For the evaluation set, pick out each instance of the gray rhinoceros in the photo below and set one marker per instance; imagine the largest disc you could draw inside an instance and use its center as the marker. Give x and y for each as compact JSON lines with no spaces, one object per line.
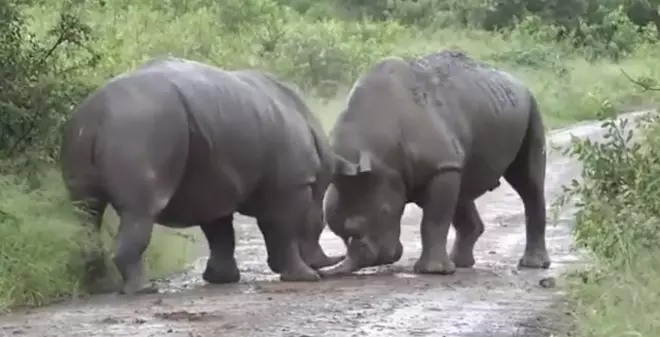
{"x":438,"y":131}
{"x":181,"y":144}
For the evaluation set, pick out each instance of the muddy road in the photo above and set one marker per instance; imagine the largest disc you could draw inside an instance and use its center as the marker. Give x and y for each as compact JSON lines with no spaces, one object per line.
{"x":491,"y":300}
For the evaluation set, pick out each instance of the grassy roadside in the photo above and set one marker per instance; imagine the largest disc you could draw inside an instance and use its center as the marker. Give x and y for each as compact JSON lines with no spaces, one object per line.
{"x":41,"y":244}
{"x":618,"y":300}
{"x":617,"y":223}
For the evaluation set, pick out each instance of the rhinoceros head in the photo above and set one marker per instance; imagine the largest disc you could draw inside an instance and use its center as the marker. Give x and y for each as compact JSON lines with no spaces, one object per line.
{"x":363,"y":206}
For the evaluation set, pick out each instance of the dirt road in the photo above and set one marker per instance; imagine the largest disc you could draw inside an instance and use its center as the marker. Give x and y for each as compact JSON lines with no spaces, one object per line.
{"x":491,"y":300}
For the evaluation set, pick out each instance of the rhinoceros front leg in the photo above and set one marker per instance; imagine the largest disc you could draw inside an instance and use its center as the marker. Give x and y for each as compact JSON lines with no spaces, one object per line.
{"x":469,"y":227}
{"x":438,"y":207}
{"x":132,"y":239}
{"x":283,"y":225}
{"x":310,"y":245}
{"x":221,"y":266}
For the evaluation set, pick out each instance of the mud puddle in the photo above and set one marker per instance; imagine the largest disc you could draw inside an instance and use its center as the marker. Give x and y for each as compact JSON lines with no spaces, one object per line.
{"x":492,"y":299}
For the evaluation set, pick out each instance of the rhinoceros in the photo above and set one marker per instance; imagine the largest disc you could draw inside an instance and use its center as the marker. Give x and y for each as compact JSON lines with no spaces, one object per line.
{"x":438,"y":131}
{"x":181,"y":143}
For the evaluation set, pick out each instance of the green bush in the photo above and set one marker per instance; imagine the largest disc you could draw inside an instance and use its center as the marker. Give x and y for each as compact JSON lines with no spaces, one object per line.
{"x":619,"y":190}
{"x":618,"y":221}
{"x":329,"y":55}
{"x":618,"y":194}
{"x":37,"y":88}
{"x":45,"y":252}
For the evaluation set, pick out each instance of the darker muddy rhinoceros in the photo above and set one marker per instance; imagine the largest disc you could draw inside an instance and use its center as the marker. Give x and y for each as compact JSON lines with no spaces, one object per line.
{"x":181,"y":143}
{"x":439,"y":131}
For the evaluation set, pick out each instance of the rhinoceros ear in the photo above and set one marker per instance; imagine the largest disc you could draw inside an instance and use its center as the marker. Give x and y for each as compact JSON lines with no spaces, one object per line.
{"x":345,"y":167}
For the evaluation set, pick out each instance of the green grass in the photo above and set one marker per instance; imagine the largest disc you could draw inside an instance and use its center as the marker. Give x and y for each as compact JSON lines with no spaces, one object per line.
{"x":619,"y":301}
{"x":40,"y":258}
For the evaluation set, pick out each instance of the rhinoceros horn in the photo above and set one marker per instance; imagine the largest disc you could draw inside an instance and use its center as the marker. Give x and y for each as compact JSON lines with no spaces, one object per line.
{"x":345,"y":167}
{"x":347,"y":266}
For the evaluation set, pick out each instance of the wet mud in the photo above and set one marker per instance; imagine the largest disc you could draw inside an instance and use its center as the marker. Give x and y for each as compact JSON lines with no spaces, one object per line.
{"x":493,"y":299}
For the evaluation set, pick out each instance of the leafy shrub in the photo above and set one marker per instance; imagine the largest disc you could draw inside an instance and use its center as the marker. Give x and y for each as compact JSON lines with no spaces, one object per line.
{"x":37,"y":88}
{"x":619,"y":192}
{"x":533,"y":46}
{"x":614,"y":36}
{"x":617,"y":219}
{"x":330,"y":54}
{"x":44,"y":251}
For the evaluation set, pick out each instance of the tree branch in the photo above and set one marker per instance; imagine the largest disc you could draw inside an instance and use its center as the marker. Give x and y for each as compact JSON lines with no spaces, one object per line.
{"x":644,"y":85}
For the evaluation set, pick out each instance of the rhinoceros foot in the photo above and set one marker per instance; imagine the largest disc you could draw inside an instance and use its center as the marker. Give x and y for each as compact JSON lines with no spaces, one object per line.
{"x":149,"y":289}
{"x":536,"y":258}
{"x":293,"y":270}
{"x":462,"y":258}
{"x":428,"y":266}
{"x":221,"y":274}
{"x":300,"y":275}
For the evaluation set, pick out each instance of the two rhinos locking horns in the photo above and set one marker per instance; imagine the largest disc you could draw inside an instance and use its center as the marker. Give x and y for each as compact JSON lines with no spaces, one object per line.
{"x":181,"y":143}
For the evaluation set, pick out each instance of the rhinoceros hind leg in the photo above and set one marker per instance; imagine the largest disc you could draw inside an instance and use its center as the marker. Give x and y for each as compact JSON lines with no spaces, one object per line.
{"x":132,"y":240}
{"x":527,"y":177}
{"x":438,"y":208}
{"x":90,"y":203}
{"x":469,"y":227}
{"x":93,"y":210}
{"x":221,"y":266}
{"x":531,"y":192}
{"x":91,"y":207}
{"x":282,"y":225}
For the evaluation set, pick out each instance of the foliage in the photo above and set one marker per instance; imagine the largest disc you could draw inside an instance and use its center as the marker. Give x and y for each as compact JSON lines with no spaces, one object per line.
{"x":605,"y":28}
{"x":36,"y":87}
{"x":617,"y":219}
{"x":44,"y":252}
{"x":620,"y":186}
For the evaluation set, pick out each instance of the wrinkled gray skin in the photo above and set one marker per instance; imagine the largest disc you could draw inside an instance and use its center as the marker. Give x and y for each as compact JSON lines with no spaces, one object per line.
{"x":439,"y":131}
{"x":182,"y":144}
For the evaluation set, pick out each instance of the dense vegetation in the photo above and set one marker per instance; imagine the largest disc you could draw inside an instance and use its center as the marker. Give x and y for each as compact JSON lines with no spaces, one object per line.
{"x":617,"y":222}
{"x":570,"y":52}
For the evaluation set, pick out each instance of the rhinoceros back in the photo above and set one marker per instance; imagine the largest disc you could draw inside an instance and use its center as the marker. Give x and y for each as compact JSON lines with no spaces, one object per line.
{"x":207,"y":137}
{"x":248,"y":130}
{"x":292,"y":100}
{"x":488,"y":110}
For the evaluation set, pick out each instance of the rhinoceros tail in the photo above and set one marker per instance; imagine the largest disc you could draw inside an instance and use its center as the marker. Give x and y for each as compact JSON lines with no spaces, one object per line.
{"x":78,"y":160}
{"x":535,"y":127}
{"x":531,"y":156}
